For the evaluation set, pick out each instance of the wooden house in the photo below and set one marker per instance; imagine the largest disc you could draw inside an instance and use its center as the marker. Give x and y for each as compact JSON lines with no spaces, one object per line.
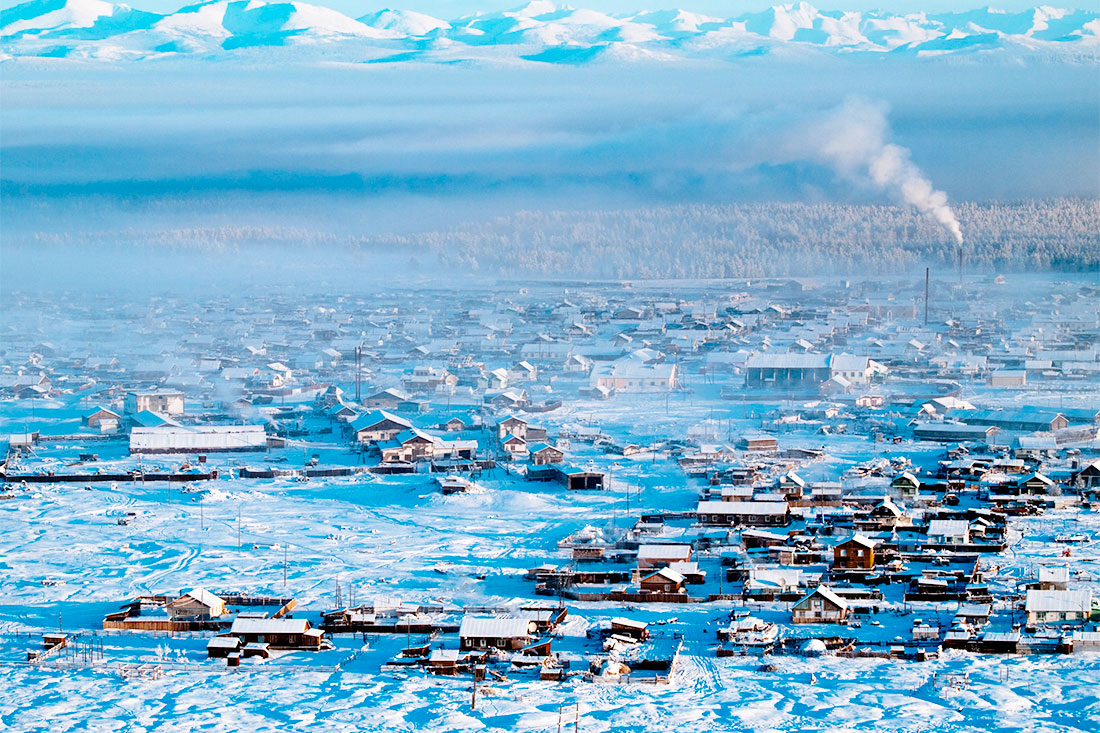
{"x":101,"y":418}
{"x":1034,"y":485}
{"x":277,"y":633}
{"x":638,"y":630}
{"x":664,"y":580}
{"x":220,"y":647}
{"x":543,"y":454}
{"x":387,"y":399}
{"x":490,"y":632}
{"x":758,"y":444}
{"x":747,"y":513}
{"x":513,"y":445}
{"x":820,"y":606}
{"x":579,"y":479}
{"x":906,"y":484}
{"x":1058,"y":607}
{"x":791,"y":485}
{"x":443,"y":661}
{"x":196,"y":604}
{"x":1089,"y":476}
{"x":948,"y":532}
{"x":378,"y":426}
{"x":512,"y":425}
{"x":886,"y":515}
{"x":855,"y":553}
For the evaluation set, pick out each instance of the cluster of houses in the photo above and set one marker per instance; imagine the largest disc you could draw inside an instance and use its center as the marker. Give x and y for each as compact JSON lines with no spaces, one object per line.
{"x":459,"y":381}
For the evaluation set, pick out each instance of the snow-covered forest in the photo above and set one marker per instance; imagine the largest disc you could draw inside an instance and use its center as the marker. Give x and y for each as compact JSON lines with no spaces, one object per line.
{"x":699,"y":241}
{"x":756,"y":240}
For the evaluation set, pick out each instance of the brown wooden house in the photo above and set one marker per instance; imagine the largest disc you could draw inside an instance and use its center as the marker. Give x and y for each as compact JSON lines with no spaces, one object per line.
{"x":855,"y":553}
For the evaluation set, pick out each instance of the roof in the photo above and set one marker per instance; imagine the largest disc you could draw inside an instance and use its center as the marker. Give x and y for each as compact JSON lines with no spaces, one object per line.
{"x":907,"y":476}
{"x":390,"y":392}
{"x":666,"y":574}
{"x":1061,"y":601}
{"x":494,"y":627}
{"x":223,"y":642}
{"x":150,"y":419}
{"x":860,"y":540}
{"x":888,"y":504}
{"x":407,"y":436}
{"x":948,"y":527}
{"x":269,"y":626}
{"x":951,"y":429}
{"x":203,"y":596}
{"x":96,"y":410}
{"x":848,"y":363}
{"x":827,"y":594}
{"x":665,"y":551}
{"x":742,"y":507}
{"x":378,"y":416}
{"x":198,"y":437}
{"x":787,"y":361}
{"x":443,"y":655}
{"x":629,"y":623}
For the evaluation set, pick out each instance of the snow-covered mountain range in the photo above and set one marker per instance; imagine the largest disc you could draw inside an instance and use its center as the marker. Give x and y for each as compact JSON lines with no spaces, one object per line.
{"x":538,"y":32}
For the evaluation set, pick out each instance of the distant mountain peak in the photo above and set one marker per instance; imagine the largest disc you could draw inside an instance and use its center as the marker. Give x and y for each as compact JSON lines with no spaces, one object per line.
{"x":540,"y":31}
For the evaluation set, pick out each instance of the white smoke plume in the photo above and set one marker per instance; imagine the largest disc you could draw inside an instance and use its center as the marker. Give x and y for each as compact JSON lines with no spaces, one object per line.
{"x":854,"y":140}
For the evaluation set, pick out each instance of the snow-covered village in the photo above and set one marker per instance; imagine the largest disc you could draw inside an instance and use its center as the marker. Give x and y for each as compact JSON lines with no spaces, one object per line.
{"x":505,"y":366}
{"x":540,"y":499}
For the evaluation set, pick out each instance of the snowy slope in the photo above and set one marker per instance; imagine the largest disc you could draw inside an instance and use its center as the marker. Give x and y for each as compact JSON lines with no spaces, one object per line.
{"x":53,"y":16}
{"x":404,"y":22}
{"x":541,"y":31}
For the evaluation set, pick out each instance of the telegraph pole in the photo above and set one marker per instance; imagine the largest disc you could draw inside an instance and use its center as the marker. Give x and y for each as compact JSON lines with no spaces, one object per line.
{"x":358,"y":372}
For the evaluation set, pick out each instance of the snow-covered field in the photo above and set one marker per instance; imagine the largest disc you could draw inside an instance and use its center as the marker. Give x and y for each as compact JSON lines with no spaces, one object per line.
{"x":66,"y":562}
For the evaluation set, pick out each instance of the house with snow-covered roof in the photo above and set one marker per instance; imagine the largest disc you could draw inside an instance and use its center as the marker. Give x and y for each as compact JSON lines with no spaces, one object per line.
{"x":820,"y":606}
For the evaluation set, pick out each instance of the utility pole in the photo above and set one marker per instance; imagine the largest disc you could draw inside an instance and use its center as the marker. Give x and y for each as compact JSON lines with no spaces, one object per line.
{"x":284,"y":569}
{"x":358,"y":372}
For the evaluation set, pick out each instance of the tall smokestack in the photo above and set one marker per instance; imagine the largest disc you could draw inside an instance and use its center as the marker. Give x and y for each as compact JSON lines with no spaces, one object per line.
{"x":926,"y":270}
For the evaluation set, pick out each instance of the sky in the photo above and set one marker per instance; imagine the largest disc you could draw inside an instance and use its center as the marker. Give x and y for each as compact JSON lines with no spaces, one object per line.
{"x":720,"y":8}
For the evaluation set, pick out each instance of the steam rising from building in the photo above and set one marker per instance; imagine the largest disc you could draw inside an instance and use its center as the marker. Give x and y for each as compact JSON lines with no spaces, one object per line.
{"x":854,"y":140}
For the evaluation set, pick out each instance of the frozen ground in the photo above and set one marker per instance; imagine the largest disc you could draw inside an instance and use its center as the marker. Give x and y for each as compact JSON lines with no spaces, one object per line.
{"x":397,"y":537}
